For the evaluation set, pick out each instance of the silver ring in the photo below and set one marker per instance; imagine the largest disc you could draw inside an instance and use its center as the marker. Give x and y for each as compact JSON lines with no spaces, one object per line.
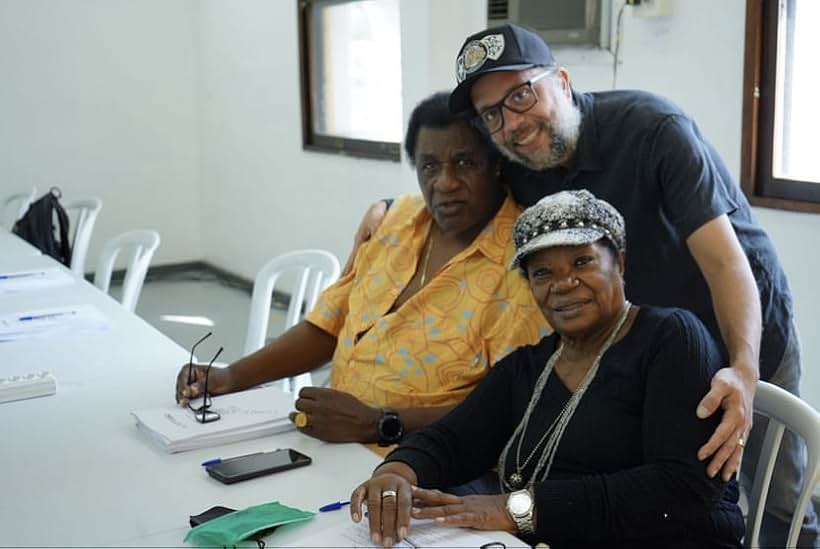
{"x":741,"y":442}
{"x":389,"y":494}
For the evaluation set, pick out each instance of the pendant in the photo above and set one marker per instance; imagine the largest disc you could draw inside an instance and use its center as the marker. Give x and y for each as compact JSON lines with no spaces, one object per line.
{"x":516,"y":481}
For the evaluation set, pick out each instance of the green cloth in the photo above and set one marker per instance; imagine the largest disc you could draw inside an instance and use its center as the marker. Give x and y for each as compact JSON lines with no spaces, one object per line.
{"x":230,"y":529}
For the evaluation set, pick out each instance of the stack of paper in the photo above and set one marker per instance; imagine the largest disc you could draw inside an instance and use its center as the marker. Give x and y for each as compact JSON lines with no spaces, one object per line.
{"x":51,"y":321}
{"x":21,"y":281}
{"x":249,"y":414}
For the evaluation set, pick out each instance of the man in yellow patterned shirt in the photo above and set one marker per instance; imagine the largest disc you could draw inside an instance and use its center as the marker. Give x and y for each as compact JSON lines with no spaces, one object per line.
{"x":435,"y":347}
{"x":427,"y":308}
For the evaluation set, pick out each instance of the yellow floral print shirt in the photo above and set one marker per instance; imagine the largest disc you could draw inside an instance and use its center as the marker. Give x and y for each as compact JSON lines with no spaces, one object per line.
{"x":436,"y":346}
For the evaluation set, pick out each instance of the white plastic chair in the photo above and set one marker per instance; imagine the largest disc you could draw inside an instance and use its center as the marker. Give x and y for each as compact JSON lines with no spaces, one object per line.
{"x":87,"y":210}
{"x":315,"y":271}
{"x":785,"y":411}
{"x":16,"y":206}
{"x":140,"y":245}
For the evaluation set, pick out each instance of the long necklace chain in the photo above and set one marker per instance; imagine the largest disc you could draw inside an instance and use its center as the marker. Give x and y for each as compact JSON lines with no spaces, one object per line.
{"x":556,"y":430}
{"x":520,"y":466}
{"x":426,"y":259}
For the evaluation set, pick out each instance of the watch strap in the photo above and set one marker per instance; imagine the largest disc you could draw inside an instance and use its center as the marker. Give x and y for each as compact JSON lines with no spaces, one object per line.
{"x":524,"y":520}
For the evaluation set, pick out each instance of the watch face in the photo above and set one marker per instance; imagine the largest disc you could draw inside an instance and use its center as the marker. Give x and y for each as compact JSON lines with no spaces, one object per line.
{"x":390,"y":427}
{"x":519,"y":503}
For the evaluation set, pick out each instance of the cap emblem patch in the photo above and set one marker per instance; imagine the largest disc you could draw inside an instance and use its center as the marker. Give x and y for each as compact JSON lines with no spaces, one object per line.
{"x":476,"y":53}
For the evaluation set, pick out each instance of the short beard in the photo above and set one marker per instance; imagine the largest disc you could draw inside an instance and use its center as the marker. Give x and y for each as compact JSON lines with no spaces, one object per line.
{"x":563,"y":131}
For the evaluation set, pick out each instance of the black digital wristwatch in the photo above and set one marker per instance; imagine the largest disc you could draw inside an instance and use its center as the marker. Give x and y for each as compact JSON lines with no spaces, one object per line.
{"x":390,"y":428}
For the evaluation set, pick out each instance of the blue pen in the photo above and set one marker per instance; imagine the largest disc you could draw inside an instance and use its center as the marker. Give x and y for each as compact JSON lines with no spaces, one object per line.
{"x":216,"y":461}
{"x":335,"y":506}
{"x":21,"y":275}
{"x":46,"y":316}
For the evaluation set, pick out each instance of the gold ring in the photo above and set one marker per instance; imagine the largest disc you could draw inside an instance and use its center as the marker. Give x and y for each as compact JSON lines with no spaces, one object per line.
{"x":389,"y":494}
{"x":301,"y":420}
{"x":741,"y":442}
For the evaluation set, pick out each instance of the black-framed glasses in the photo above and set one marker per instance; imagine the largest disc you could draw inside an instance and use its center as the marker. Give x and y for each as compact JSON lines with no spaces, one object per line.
{"x":518,"y":100}
{"x":203,"y":413}
{"x":191,"y":359}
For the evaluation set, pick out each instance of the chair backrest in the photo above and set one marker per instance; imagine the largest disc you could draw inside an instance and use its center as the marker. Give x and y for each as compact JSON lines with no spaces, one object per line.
{"x":15,"y":207}
{"x":315,"y":270}
{"x":87,"y":210}
{"x":140,"y":247}
{"x":785,"y":412}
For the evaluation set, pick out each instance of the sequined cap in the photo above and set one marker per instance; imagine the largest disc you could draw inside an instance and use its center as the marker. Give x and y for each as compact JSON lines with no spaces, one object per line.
{"x":567,"y":218}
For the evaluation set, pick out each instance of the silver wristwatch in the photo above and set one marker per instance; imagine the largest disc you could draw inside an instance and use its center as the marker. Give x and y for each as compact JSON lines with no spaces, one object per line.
{"x":520,"y":506}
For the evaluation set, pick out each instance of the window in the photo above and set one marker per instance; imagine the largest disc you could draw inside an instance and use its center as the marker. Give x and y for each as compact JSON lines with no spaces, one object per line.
{"x":780,"y":161}
{"x":351,"y":77}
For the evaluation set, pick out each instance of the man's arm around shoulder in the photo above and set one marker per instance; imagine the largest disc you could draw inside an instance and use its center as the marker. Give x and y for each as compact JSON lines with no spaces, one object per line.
{"x":736,"y":303}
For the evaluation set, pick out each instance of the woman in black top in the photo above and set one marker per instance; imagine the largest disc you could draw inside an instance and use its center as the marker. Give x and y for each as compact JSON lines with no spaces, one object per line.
{"x":591,"y":430}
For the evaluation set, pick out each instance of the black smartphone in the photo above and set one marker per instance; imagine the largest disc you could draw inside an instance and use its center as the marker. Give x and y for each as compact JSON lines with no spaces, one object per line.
{"x":255,"y":465}
{"x":219,"y":511}
{"x":210,"y":514}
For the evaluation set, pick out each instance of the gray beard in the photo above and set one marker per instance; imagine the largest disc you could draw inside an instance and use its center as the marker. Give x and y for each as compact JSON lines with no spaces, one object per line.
{"x":563,"y":133}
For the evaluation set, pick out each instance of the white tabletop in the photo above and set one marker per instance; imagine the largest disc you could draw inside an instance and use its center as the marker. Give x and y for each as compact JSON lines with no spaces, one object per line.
{"x":75,"y":471}
{"x":83,"y":356}
{"x":14,"y":250}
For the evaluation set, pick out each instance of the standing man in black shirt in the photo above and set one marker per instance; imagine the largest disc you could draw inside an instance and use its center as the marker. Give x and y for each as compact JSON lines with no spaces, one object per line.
{"x":691,"y":236}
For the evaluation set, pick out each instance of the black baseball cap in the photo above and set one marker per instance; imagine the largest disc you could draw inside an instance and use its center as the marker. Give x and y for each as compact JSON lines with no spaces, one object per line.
{"x":504,"y":48}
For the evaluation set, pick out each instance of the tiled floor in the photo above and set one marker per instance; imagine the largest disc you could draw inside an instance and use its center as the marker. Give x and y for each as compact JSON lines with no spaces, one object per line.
{"x":185,"y":308}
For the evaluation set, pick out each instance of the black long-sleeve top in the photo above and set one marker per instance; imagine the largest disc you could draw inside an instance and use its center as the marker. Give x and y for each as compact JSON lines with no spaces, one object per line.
{"x":626,"y":471}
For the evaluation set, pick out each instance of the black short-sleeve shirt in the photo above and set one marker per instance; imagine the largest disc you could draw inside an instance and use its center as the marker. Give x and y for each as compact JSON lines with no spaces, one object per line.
{"x":643,"y":155}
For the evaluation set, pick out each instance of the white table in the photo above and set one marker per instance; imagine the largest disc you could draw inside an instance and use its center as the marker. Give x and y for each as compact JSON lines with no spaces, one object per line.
{"x":14,"y":249}
{"x":74,"y":470}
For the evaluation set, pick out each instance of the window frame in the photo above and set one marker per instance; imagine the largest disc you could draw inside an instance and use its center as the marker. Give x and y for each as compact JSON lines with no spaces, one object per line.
{"x":317,"y":142}
{"x":759,"y":81}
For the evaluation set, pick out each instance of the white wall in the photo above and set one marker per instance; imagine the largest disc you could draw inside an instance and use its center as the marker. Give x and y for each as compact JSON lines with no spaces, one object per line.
{"x":796,"y":236}
{"x":262,"y":194}
{"x":98,"y":97}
